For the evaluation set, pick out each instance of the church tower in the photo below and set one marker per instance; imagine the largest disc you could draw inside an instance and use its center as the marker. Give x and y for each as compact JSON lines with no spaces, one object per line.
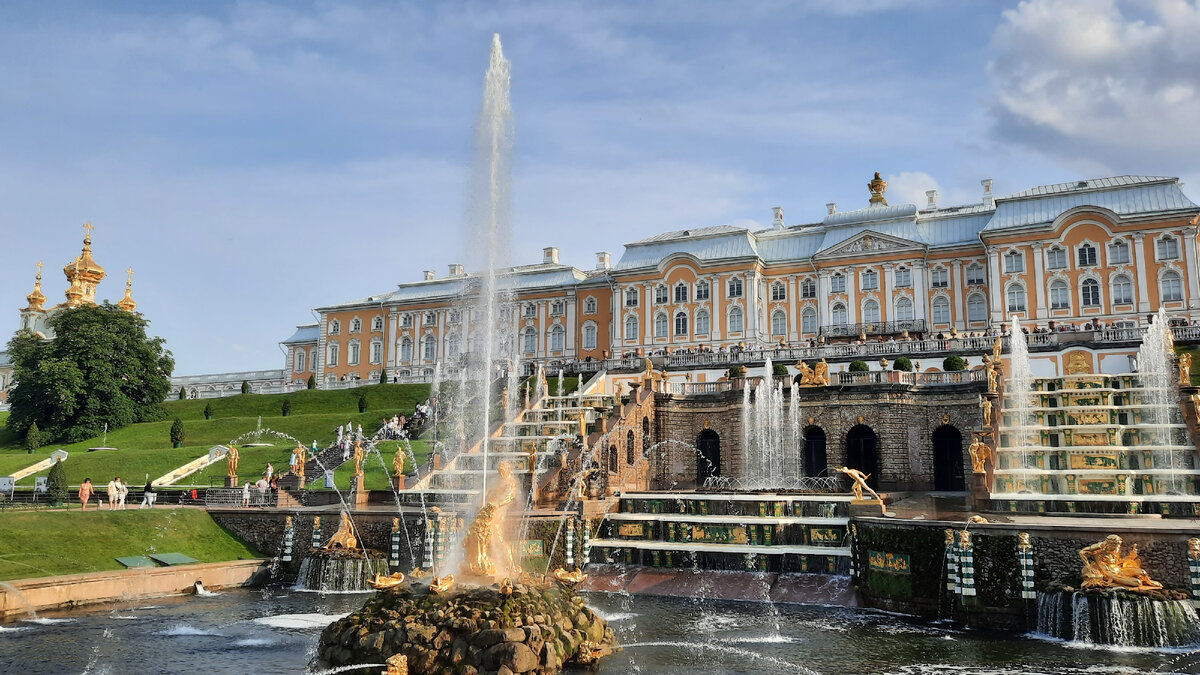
{"x":84,"y":274}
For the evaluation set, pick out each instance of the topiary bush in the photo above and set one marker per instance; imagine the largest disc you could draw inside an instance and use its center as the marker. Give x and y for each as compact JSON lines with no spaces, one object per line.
{"x":312,"y":381}
{"x":287,"y":407}
{"x":33,"y":438}
{"x":954,"y":362}
{"x":177,"y":433}
{"x":245,"y":387}
{"x":779,"y":370}
{"x":56,"y":485}
{"x":736,"y":372}
{"x":182,"y":393}
{"x":859,"y":367}
{"x":902,"y":363}
{"x":382,"y":377}
{"x":208,"y":411}
{"x":362,"y":403}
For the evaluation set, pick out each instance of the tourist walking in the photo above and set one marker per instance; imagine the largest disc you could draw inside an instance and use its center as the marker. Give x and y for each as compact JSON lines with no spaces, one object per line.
{"x":148,"y":496}
{"x":112,"y":489}
{"x":122,"y":492}
{"x":85,"y":492}
{"x":246,"y":494}
{"x":270,"y":471}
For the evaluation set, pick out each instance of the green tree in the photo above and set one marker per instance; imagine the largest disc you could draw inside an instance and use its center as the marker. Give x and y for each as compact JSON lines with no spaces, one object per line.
{"x":312,"y":381}
{"x":56,"y":485}
{"x":954,"y":362}
{"x":208,"y":411}
{"x":858,"y":367}
{"x":382,"y":376}
{"x":736,"y":372}
{"x":182,"y":393}
{"x":902,"y":363}
{"x":177,"y":433}
{"x":287,"y":407}
{"x":99,"y":369}
{"x":33,"y":438}
{"x":779,"y":370}
{"x":245,"y":387}
{"x":362,"y":403}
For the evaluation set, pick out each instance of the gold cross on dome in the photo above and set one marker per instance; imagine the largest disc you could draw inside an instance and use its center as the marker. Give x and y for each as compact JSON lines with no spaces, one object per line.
{"x":89,"y":227}
{"x":40,"y":266}
{"x":130,"y":273}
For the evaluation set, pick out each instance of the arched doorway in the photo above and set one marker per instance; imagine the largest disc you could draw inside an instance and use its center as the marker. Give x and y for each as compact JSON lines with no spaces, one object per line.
{"x":708,"y":455}
{"x":948,"y":460}
{"x":815,"y":462}
{"x":862,"y":453}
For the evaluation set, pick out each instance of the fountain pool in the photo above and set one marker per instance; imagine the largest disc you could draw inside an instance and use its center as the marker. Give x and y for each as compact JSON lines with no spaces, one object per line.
{"x":276,"y":631}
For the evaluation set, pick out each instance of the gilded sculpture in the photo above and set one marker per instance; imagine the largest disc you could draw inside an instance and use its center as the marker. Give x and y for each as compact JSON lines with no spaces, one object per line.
{"x":1105,"y":567}
{"x":990,"y":366}
{"x":878,"y":188}
{"x":1185,"y":369}
{"x":821,"y":373}
{"x":997,"y":347}
{"x":441,"y":584}
{"x":287,"y":523}
{"x":344,"y":537}
{"x":397,"y":664}
{"x":231,"y":461}
{"x":980,"y":452}
{"x":985,"y":405}
{"x":298,"y":460}
{"x":358,"y":459}
{"x":398,"y":461}
{"x":506,"y":587}
{"x":381,"y":582}
{"x":1079,"y":363}
{"x":1194,"y":548}
{"x":486,"y":533}
{"x":806,"y":373}
{"x":1023,"y":541}
{"x":569,"y":578}
{"x":860,"y":484}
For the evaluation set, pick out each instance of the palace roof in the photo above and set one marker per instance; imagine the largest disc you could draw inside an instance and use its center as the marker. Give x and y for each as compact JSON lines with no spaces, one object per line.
{"x":307,"y":333}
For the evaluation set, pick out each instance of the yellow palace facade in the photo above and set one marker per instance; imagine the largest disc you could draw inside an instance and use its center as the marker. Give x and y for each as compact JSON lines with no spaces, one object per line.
{"x":1103,"y":252}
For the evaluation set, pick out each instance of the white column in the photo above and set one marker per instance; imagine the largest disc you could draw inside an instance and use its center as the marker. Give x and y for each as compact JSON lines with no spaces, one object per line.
{"x":920,"y":295}
{"x":618,"y":313}
{"x":995,"y":284}
{"x":1139,"y":257}
{"x":823,"y":290}
{"x":792,"y":307}
{"x":1039,"y":276}
{"x":718,"y":311}
{"x":750,"y":295}
{"x":648,"y":305}
{"x":887,"y":281}
{"x":958,"y":289}
{"x":570,"y":327}
{"x":1189,"y":248}
{"x":851,"y":296}
{"x":389,"y":336}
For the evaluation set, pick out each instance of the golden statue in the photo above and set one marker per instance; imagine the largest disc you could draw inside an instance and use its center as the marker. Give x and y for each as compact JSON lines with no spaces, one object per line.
{"x":1079,"y":363}
{"x":986,"y":406}
{"x":589,"y":653}
{"x":1196,"y":404}
{"x":298,"y":460}
{"x":1185,"y":369}
{"x":1105,"y":567}
{"x":878,"y":188}
{"x":569,"y":578}
{"x":821,"y":374}
{"x":980,"y":452}
{"x":231,"y":461}
{"x":997,"y":346}
{"x":441,"y":584}
{"x":977,"y":519}
{"x":381,"y":582}
{"x":398,"y":461}
{"x":506,"y":587}
{"x":581,"y":491}
{"x":344,"y":537}
{"x":1023,"y":541}
{"x":486,"y":532}
{"x":287,"y":523}
{"x":358,"y":459}
{"x":397,"y":664}
{"x":1194,"y":548}
{"x":990,"y":367}
{"x":860,"y":484}
{"x":417,"y":573}
{"x":806,"y":374}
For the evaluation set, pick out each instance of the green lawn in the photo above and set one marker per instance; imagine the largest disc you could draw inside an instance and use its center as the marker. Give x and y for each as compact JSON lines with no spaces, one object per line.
{"x":146,"y":449}
{"x":68,"y":542}
{"x":375,"y":476}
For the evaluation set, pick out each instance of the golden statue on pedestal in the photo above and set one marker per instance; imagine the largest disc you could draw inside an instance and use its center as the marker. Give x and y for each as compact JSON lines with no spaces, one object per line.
{"x":1194,"y":548}
{"x":990,"y":366}
{"x":806,"y":373}
{"x":397,"y":664}
{"x":1105,"y":567}
{"x":358,"y":459}
{"x":980,"y":452}
{"x":231,"y":461}
{"x":506,"y":587}
{"x":821,"y":373}
{"x":381,"y":582}
{"x":298,"y":460}
{"x":986,"y":406}
{"x":398,"y":462}
{"x":1185,"y":369}
{"x":441,"y":584}
{"x":860,"y":484}
{"x":486,"y":533}
{"x":344,"y":537}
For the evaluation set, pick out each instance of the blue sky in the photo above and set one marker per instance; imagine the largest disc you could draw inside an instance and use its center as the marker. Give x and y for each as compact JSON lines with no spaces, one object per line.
{"x":252,"y":160}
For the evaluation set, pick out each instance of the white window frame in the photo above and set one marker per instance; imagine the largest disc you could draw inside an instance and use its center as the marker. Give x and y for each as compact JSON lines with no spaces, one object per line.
{"x":681,"y":292}
{"x":1085,"y":290}
{"x":870,"y":280}
{"x":590,"y":334}
{"x":1118,"y":252}
{"x":808,"y":321}
{"x":681,"y":329}
{"x":1014,"y":262}
{"x":662,"y":325}
{"x":1056,"y":258}
{"x":979,"y":280}
{"x":1008,"y":298}
{"x":975,"y":300}
{"x":703,"y":292}
{"x":837,"y":283}
{"x":703,"y":322}
{"x":903,"y":277}
{"x":737,"y":317}
{"x":778,"y":291}
{"x":1060,"y":295}
{"x":940,"y":310}
{"x":1125,"y":295}
{"x":939,"y":277}
{"x":779,"y":323}
{"x":735,"y":287}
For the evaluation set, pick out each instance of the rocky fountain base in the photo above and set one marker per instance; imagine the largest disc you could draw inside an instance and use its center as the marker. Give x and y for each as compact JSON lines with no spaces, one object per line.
{"x":340,"y":570}
{"x":471,"y":629}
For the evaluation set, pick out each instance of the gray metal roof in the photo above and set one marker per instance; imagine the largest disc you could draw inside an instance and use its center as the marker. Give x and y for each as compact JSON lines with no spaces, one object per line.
{"x":707,"y":244}
{"x":5,"y":359}
{"x":684,"y":234}
{"x":871,"y":214}
{"x":306,"y":333}
{"x":1146,"y":198}
{"x":1090,"y":184}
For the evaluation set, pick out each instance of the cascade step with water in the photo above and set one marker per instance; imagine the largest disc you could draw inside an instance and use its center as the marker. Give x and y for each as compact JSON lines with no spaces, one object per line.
{"x":1117,"y":618}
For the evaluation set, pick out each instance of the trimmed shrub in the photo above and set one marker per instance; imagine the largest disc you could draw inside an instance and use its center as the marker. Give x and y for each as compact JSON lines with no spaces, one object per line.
{"x":177,"y":433}
{"x":33,"y":438}
{"x":954,"y":362}
{"x":779,"y":370}
{"x":182,"y":393}
{"x":208,"y":412}
{"x":56,"y":486}
{"x":245,"y":387}
{"x":312,"y":381}
{"x":382,"y":376}
{"x":735,"y":372}
{"x":287,"y":407}
{"x":902,"y":363}
{"x":362,"y":403}
{"x":859,"y":367}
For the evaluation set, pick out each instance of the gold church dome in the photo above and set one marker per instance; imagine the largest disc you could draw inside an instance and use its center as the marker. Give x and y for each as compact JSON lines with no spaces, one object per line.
{"x":127,"y":302}
{"x":83,"y":273}
{"x":36,"y":299}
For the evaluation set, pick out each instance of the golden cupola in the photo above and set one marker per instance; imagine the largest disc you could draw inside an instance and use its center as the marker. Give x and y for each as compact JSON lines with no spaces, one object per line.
{"x":84,"y":274}
{"x":36,"y":299}
{"x":127,"y":302}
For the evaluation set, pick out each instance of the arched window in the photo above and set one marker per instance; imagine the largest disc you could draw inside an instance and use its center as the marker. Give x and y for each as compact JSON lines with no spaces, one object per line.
{"x":557,"y":335}
{"x":735,"y":288}
{"x":630,"y":448}
{"x":631,"y":297}
{"x":976,"y":307}
{"x":1168,"y":248}
{"x":778,"y":323}
{"x":808,"y":320}
{"x":681,"y":292}
{"x":737,"y":320}
{"x":1122,"y":290}
{"x":631,"y":327}
{"x":838,"y":314}
{"x":778,"y":292}
{"x":529,"y":341}
{"x":660,"y":325}
{"x":376,"y":351}
{"x":589,"y":306}
{"x":702,"y":290}
{"x":808,"y":288}
{"x":660,"y":294}
{"x":1086,"y":254}
{"x":681,"y":323}
{"x":1060,"y":297}
{"x":377,"y":324}
{"x":613,"y":459}
{"x":406,"y":350}
{"x":1172,"y":286}
{"x":589,"y":336}
{"x":429,"y":350}
{"x":871,"y":312}
{"x":333,"y":354}
{"x":452,"y":346}
{"x":352,"y":356}
{"x":1091,"y":293}
{"x":941,"y":309}
{"x":1016,"y":298}
{"x":702,"y":323}
{"x":904,"y":309}
{"x":335,"y":327}
{"x":299,"y":362}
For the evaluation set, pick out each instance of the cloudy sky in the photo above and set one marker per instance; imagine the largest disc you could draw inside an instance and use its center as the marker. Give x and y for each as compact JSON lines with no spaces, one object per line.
{"x":252,"y":160}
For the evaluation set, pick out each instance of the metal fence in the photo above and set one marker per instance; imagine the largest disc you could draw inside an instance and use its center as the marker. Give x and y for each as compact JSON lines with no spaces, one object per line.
{"x":236,"y":497}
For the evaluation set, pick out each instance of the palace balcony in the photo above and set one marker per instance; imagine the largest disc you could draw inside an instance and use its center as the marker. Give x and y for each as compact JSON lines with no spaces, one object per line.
{"x":872,"y":328}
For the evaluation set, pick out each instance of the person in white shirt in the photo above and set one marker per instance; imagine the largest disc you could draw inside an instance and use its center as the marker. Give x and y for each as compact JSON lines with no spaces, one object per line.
{"x":122,"y":492}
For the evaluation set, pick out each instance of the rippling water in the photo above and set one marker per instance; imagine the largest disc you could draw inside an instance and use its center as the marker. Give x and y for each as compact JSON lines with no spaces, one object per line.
{"x":276,"y":631}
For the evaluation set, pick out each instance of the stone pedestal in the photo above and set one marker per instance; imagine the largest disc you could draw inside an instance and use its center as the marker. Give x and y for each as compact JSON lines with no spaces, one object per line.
{"x":360,"y":493}
{"x":231,"y":481}
{"x":437,"y":460}
{"x":398,"y":482}
{"x":980,"y":496}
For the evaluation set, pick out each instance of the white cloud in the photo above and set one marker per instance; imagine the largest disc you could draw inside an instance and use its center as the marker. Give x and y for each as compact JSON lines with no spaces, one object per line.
{"x":1110,"y":84}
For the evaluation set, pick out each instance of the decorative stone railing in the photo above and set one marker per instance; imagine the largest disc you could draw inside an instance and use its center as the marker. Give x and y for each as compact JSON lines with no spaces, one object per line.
{"x":699,"y":388}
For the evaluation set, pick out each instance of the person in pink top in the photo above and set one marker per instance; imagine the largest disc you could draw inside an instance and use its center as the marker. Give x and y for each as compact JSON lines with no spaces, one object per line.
{"x":85,"y":492}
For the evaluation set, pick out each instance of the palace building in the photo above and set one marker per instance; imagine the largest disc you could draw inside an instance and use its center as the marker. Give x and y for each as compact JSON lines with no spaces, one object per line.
{"x":1100,"y":253}
{"x":83,"y":275}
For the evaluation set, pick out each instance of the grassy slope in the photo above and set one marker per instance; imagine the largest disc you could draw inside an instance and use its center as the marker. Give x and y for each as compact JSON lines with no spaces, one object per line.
{"x":68,"y":542}
{"x":146,"y":448}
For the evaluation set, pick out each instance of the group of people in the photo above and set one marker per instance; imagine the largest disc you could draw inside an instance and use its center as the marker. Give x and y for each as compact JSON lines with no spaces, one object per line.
{"x":117,"y":491}
{"x":346,"y":436}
